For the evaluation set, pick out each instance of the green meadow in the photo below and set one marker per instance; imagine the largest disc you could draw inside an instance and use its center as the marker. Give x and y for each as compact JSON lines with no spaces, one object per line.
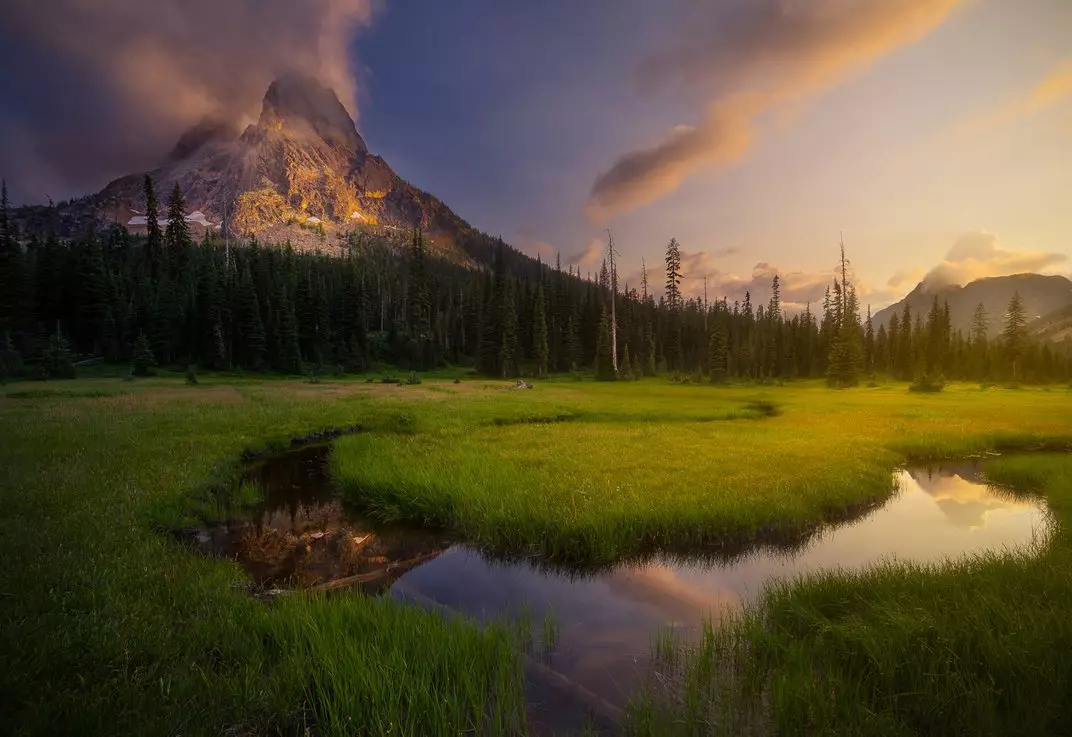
{"x":110,"y":625}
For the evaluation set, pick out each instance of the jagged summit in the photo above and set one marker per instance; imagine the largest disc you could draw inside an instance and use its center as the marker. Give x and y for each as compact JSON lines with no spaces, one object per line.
{"x":301,"y":173}
{"x":302,"y":103}
{"x":211,"y":128}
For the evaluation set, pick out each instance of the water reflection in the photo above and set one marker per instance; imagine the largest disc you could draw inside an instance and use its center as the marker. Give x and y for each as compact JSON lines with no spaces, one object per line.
{"x":304,"y":536}
{"x":607,"y":621}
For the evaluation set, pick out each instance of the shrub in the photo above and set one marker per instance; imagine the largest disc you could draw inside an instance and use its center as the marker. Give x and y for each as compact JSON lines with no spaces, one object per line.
{"x":413,"y":379}
{"x":10,"y":360}
{"x":57,"y":360}
{"x":144,"y":363}
{"x":928,"y":383}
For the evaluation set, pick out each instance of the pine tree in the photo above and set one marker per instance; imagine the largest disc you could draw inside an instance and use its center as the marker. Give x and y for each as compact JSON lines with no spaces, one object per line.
{"x":94,"y":311}
{"x":10,"y":360}
{"x":773,"y":348}
{"x":57,"y":359}
{"x":508,"y":357}
{"x":673,"y":275}
{"x":573,"y":339}
{"x":1014,"y":336}
{"x":869,"y":344}
{"x":154,"y":242}
{"x":10,"y":268}
{"x":906,"y":349}
{"x":492,"y":317}
{"x":604,"y":368}
{"x":177,"y":232}
{"x":539,"y":334}
{"x":254,"y":341}
{"x":144,"y":363}
{"x":650,"y":364}
{"x":625,"y":370}
{"x":846,"y":351}
{"x":289,"y":359}
{"x":418,"y":303}
{"x":718,"y":355}
{"x":980,"y":328}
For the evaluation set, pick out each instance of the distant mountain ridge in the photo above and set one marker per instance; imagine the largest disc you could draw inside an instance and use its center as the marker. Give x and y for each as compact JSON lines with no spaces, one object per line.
{"x":302,"y":172}
{"x":1042,"y":295}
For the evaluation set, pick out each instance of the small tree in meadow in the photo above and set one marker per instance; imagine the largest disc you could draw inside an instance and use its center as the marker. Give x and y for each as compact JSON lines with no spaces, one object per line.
{"x":10,"y":360}
{"x":144,"y":363}
{"x":58,"y":360}
{"x":625,"y":371}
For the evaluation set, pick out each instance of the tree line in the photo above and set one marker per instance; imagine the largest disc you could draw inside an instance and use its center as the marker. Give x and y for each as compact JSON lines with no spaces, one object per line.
{"x":167,"y":299}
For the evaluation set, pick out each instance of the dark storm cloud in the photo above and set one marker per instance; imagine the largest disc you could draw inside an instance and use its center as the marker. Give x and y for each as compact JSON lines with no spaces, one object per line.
{"x":93,"y":90}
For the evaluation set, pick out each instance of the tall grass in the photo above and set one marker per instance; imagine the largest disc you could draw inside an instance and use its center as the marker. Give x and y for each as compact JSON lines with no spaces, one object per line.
{"x":978,"y":647}
{"x":616,"y":478}
{"x":108,"y":626}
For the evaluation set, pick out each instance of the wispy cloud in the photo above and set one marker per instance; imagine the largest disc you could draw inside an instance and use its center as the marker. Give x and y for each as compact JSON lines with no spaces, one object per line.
{"x":1054,"y":89}
{"x":905,"y":277}
{"x":978,"y":254}
{"x":770,"y":58}
{"x":591,"y":254}
{"x":535,"y":247}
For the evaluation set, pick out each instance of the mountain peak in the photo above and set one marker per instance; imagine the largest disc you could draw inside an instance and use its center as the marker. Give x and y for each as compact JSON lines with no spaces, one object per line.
{"x":210,"y":128}
{"x":1041,"y":295}
{"x":294,"y":101}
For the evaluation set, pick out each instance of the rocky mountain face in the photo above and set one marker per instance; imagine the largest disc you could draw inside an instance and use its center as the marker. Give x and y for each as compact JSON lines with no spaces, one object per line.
{"x":301,"y":172}
{"x":1042,"y":296}
{"x":1055,"y":327}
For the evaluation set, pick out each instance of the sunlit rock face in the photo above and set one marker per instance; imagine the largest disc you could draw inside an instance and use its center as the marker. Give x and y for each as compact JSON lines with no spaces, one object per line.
{"x":300,"y":106}
{"x":302,"y":159}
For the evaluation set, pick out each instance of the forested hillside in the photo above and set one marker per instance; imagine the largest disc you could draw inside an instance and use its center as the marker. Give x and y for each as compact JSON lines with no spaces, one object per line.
{"x":164,"y":299}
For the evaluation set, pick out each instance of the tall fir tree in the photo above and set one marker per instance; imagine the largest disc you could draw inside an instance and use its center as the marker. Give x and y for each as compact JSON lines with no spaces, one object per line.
{"x":177,"y":233}
{"x":10,"y":269}
{"x":154,"y":240}
{"x":604,"y":368}
{"x":508,"y":351}
{"x":1014,"y":335}
{"x":718,"y":355}
{"x":674,"y":348}
{"x":540,"y":350}
{"x":252,"y":337}
{"x":418,"y":307}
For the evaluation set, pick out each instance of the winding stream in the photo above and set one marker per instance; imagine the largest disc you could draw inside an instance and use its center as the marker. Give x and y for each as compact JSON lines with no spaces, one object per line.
{"x":303,"y":536}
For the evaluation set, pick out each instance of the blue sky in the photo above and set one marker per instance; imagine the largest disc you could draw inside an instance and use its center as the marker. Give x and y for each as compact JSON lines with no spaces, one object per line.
{"x":509,"y":112}
{"x":937,"y":134}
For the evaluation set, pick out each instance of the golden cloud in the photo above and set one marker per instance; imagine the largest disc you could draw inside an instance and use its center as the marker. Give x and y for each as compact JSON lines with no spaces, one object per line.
{"x":1051,"y":91}
{"x":773,"y":57}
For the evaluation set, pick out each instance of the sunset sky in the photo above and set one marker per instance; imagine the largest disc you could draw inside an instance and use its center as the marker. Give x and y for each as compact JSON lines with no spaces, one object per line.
{"x":750,"y":130}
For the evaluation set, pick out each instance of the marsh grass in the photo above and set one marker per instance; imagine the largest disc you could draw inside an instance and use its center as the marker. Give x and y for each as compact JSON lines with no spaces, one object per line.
{"x":109,"y":627}
{"x":616,"y":474}
{"x":974,"y":647}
